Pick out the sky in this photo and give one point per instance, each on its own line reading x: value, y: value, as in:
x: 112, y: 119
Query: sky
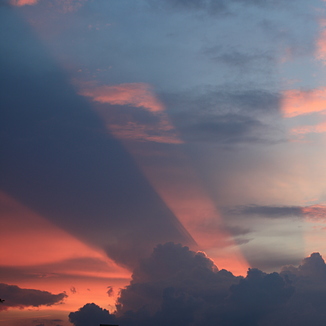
x: 162, y: 162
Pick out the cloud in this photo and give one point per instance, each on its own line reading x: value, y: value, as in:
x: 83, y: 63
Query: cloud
x: 134, y: 94
x: 302, y: 130
x: 16, y: 297
x: 178, y: 286
x: 91, y: 315
x: 312, y: 213
x: 266, y: 211
x: 215, y: 6
x: 303, y: 102
x: 224, y: 116
x: 128, y: 123
x: 315, y: 212
x: 172, y: 266
x: 20, y: 3
x: 110, y: 291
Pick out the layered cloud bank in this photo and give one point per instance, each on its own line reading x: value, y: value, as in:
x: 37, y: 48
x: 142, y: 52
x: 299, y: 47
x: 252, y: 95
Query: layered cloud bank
x: 16, y: 297
x: 177, y: 286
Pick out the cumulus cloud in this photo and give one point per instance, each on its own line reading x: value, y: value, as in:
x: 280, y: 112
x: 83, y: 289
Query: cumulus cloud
x: 16, y: 297
x: 178, y: 286
x: 91, y: 315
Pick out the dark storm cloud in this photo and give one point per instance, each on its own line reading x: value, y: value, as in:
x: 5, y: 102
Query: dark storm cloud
x: 178, y: 286
x: 59, y: 160
x: 16, y: 297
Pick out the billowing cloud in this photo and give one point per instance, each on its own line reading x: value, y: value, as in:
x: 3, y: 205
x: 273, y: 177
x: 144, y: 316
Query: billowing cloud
x: 176, y: 285
x: 16, y: 297
x: 303, y: 102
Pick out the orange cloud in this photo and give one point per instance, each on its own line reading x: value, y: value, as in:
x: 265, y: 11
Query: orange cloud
x: 296, y: 102
x: 320, y: 128
x: 20, y: 3
x: 134, y: 94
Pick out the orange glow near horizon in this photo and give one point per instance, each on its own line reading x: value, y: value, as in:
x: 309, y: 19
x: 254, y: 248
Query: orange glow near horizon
x: 296, y: 102
x: 46, y: 258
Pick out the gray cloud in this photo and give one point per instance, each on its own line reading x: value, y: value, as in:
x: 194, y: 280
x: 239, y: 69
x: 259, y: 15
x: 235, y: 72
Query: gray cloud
x: 266, y: 211
x: 224, y: 116
x: 16, y: 297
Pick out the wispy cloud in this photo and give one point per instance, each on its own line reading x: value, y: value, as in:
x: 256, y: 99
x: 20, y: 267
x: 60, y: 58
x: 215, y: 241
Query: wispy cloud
x: 134, y: 94
x: 302, y: 130
x: 311, y: 212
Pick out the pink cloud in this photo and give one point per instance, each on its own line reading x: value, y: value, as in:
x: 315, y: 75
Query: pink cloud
x: 125, y: 126
x: 133, y: 94
x: 296, y: 102
x: 20, y: 3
